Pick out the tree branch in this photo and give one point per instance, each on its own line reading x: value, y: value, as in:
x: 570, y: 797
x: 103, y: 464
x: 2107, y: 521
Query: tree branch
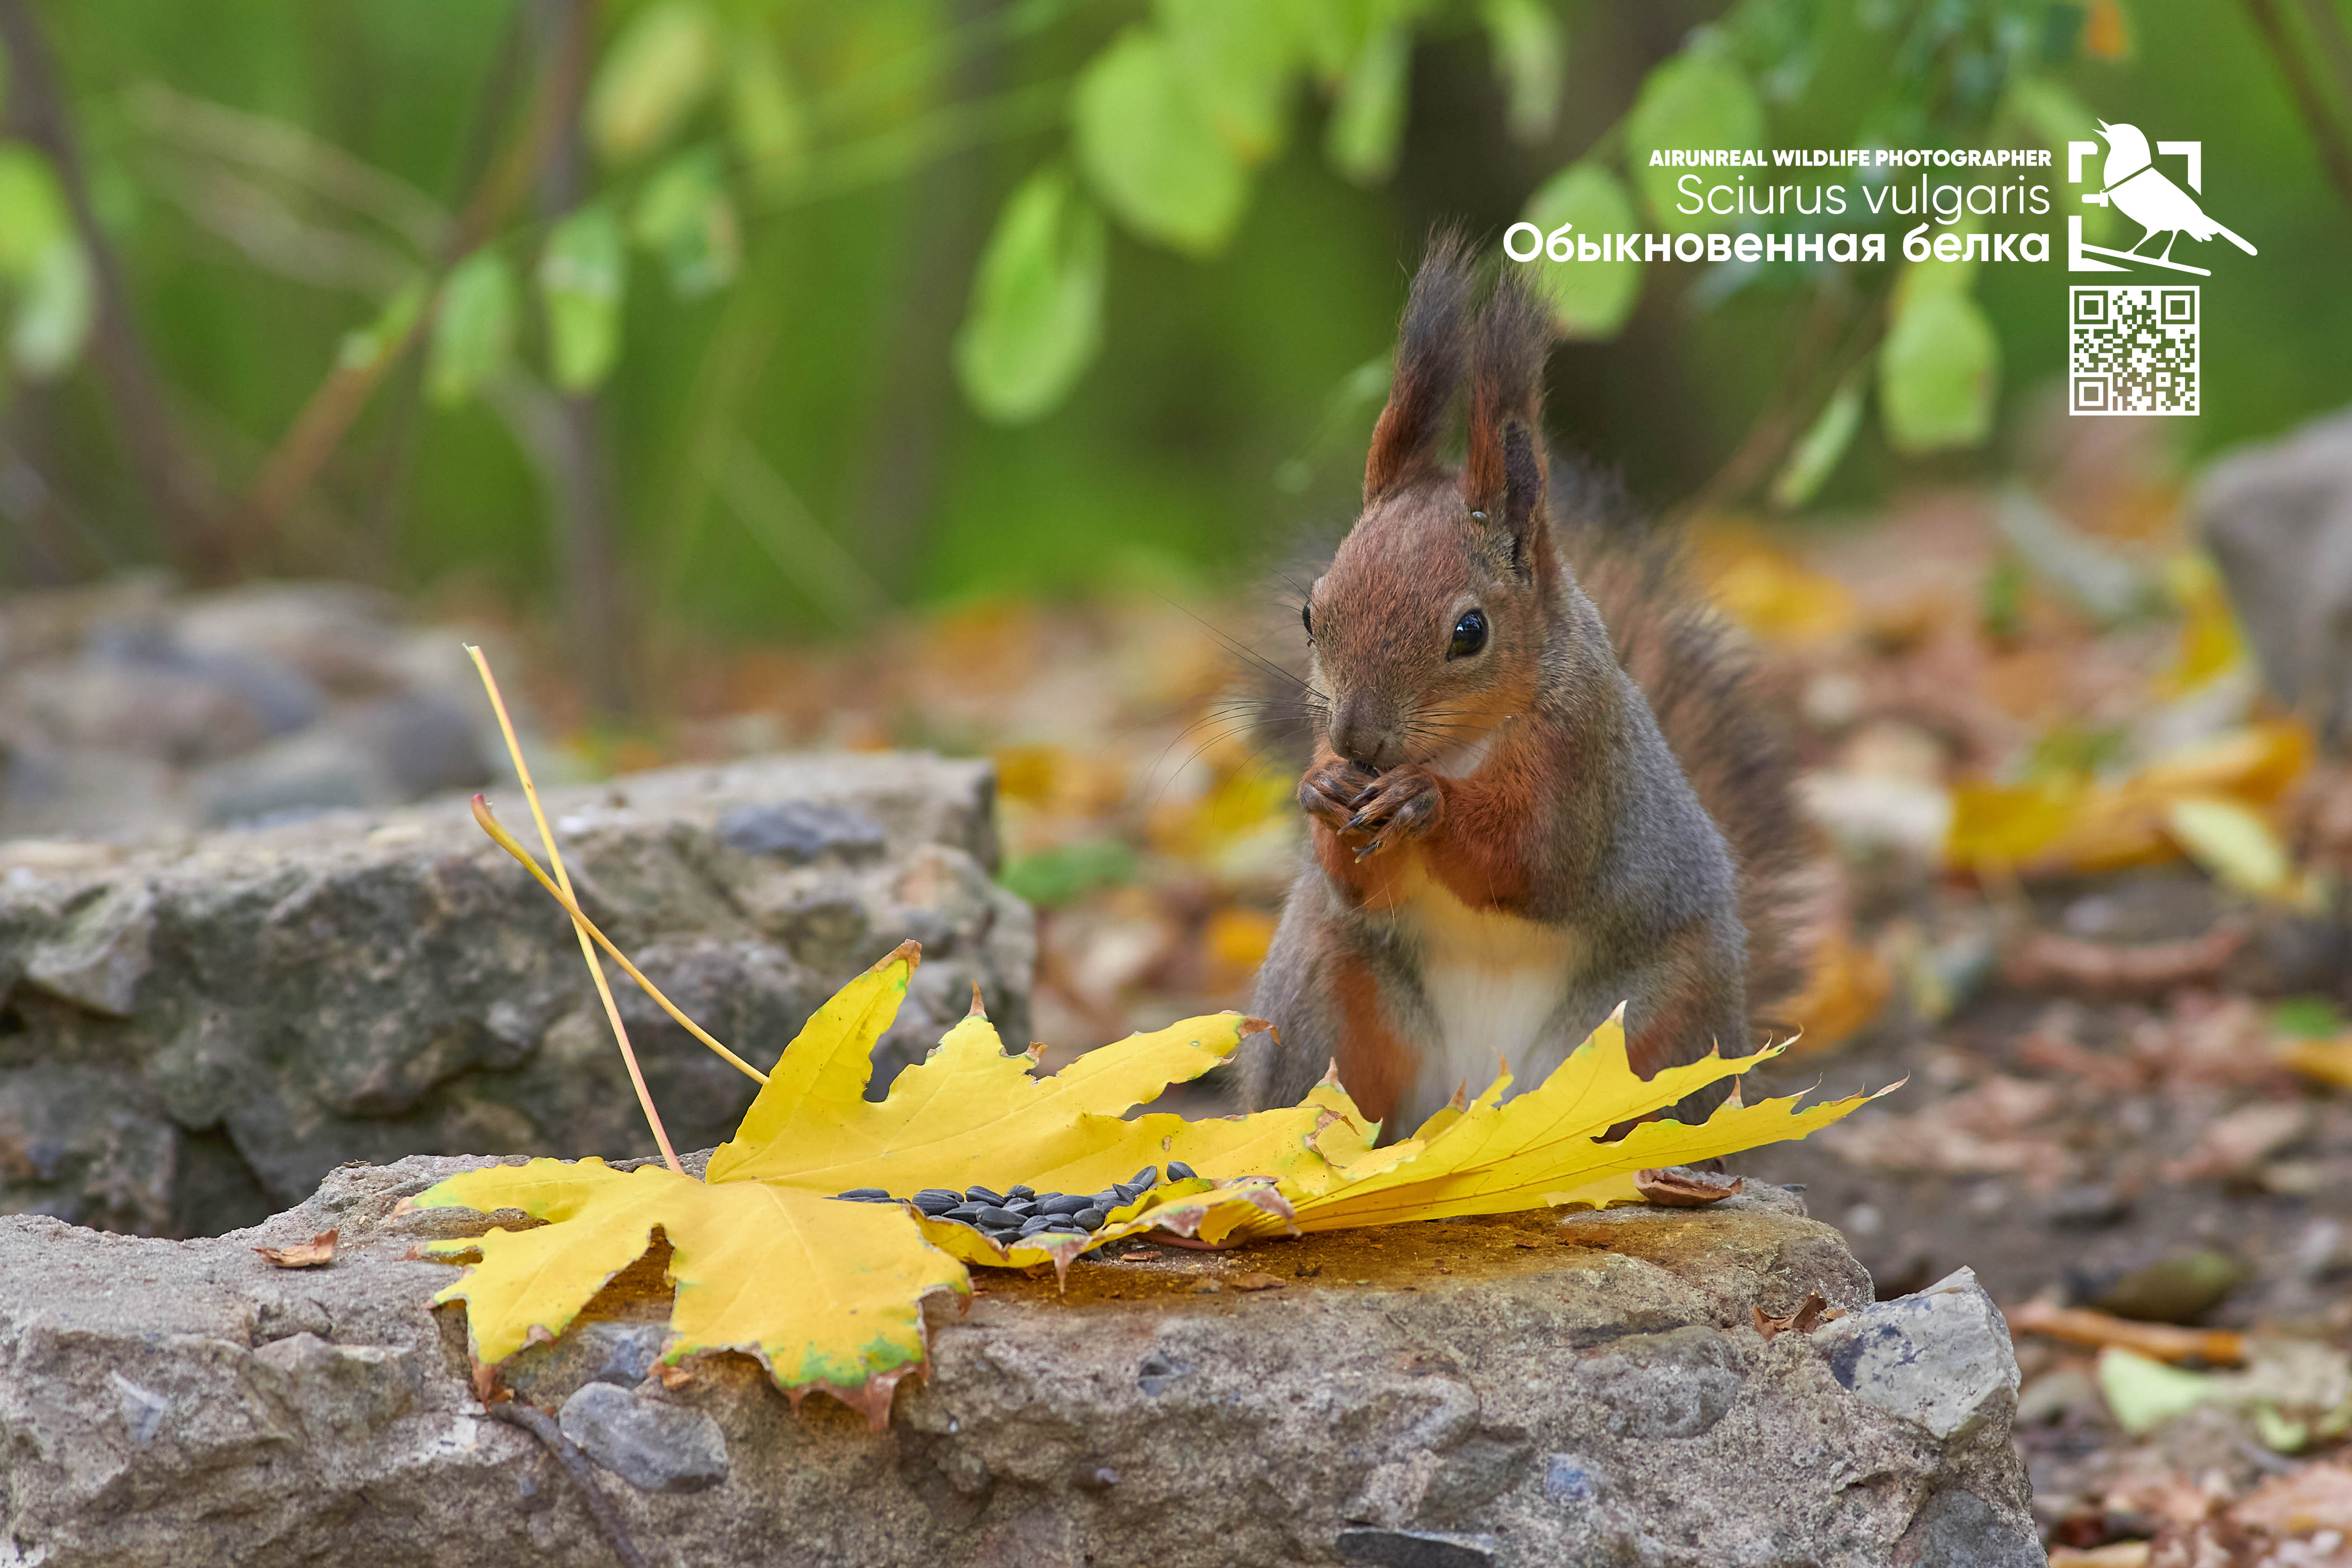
x: 2327, y: 132
x: 321, y: 426
x: 174, y: 491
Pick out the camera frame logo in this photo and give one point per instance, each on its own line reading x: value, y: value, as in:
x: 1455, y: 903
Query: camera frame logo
x: 2133, y: 349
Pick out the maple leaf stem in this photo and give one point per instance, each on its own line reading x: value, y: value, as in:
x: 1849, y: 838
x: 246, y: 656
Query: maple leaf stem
x: 579, y: 921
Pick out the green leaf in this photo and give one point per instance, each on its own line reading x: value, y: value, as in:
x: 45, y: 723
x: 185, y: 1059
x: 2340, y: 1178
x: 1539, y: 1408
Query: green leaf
x: 361, y: 348
x: 2308, y: 1018
x: 2233, y: 841
x: 2143, y: 1394
x: 32, y: 211
x: 653, y: 75
x: 1815, y: 456
x: 1238, y: 58
x: 582, y: 274
x: 1333, y: 32
x: 1035, y: 320
x: 55, y: 305
x: 1148, y: 148
x: 1937, y: 373
x: 1053, y: 877
x: 474, y: 333
x: 1367, y: 121
x: 684, y: 216
x: 1697, y: 100
x: 764, y: 114
x: 1530, y: 45
x: 1588, y: 298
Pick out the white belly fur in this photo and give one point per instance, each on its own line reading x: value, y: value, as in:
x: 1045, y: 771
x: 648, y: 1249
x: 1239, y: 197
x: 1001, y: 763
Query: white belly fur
x: 1493, y: 981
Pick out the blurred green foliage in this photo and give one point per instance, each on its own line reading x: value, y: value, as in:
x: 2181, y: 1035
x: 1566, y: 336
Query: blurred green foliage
x: 921, y: 299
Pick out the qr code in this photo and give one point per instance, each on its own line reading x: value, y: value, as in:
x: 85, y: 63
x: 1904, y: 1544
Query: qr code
x: 2132, y: 350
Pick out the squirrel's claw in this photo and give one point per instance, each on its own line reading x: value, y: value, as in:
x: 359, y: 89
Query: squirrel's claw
x: 1368, y: 850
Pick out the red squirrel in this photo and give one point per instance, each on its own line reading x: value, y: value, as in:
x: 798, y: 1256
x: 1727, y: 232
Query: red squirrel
x: 1518, y: 820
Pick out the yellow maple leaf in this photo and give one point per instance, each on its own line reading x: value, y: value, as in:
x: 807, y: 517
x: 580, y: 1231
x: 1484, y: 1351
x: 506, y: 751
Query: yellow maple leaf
x: 1500, y: 1154
x: 828, y: 1294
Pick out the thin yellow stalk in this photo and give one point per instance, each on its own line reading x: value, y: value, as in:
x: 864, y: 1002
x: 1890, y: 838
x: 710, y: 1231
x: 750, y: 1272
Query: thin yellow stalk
x: 579, y: 922
x: 506, y: 841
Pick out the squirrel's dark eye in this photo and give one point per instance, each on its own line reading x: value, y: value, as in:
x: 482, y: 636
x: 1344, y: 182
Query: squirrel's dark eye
x: 1469, y: 635
x: 1306, y: 618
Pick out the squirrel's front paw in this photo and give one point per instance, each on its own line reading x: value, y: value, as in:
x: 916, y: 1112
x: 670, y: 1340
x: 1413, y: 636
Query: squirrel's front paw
x: 1330, y: 788
x: 1400, y: 804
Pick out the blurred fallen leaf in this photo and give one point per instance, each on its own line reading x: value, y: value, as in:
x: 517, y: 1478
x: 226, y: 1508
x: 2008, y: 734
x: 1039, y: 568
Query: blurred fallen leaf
x: 2114, y: 1554
x: 1685, y: 1189
x: 2157, y: 1342
x: 1846, y: 985
x: 1236, y: 941
x: 1065, y: 782
x: 2210, y: 643
x: 2109, y: 582
x: 2235, y: 843
x: 2143, y: 1394
x: 2077, y: 824
x: 1985, y: 1129
x: 312, y: 1253
x: 2329, y: 1061
x: 1242, y: 828
x: 2315, y: 1498
x: 2045, y: 960
x: 2175, y: 1288
x: 1769, y: 590
x: 2234, y: 1145
x: 1254, y: 1280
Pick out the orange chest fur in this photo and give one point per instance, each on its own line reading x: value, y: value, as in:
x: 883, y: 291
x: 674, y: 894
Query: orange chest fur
x: 1479, y: 849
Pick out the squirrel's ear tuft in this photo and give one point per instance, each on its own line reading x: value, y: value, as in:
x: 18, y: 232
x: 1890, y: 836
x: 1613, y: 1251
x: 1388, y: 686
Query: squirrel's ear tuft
x: 1431, y: 347
x: 1503, y: 474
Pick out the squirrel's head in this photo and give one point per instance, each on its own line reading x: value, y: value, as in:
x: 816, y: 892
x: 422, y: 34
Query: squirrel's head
x: 1428, y: 630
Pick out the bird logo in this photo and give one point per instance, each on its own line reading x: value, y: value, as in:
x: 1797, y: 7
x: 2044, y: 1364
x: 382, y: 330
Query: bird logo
x: 2135, y: 187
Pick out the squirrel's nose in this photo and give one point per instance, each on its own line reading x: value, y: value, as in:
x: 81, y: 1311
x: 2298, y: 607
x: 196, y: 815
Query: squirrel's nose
x: 1360, y: 733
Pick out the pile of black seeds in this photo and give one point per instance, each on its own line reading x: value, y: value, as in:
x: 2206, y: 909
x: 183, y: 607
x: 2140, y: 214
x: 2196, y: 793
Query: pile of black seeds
x: 1017, y: 1212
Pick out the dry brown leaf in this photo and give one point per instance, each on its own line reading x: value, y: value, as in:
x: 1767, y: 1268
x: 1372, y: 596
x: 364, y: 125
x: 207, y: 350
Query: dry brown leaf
x: 1680, y: 1188
x: 2315, y: 1497
x: 1139, y: 1255
x: 1984, y: 1129
x: 2114, y: 1554
x: 2235, y: 1144
x: 1254, y: 1280
x: 1810, y: 1314
x: 679, y: 1376
x: 2157, y: 1342
x: 315, y: 1253
x: 2044, y: 959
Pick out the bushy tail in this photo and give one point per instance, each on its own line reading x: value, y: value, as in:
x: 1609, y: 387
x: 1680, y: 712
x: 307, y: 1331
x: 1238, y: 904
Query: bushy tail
x: 1700, y: 683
